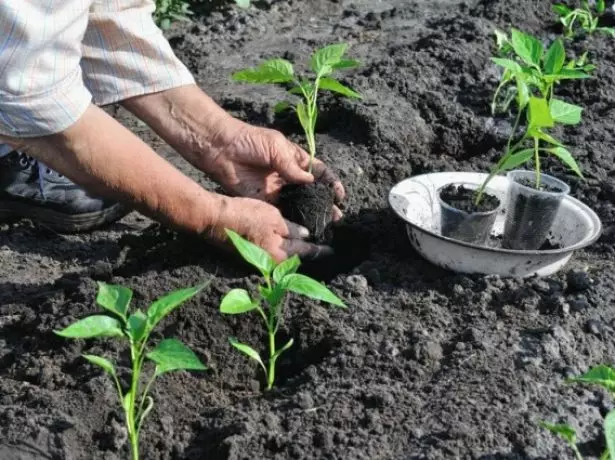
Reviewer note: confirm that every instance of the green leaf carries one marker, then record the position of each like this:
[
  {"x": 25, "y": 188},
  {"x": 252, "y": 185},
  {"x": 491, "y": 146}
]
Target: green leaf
[
  {"x": 93, "y": 326},
  {"x": 566, "y": 74},
  {"x": 282, "y": 350},
  {"x": 101, "y": 362},
  {"x": 607, "y": 30},
  {"x": 536, "y": 132},
  {"x": 565, "y": 113},
  {"x": 325, "y": 58},
  {"x": 244, "y": 4},
  {"x": 516, "y": 159},
  {"x": 272, "y": 71},
  {"x": 609, "y": 432},
  {"x": 523, "y": 94},
  {"x": 286, "y": 267},
  {"x": 346, "y": 64},
  {"x": 303, "y": 116},
  {"x": 172, "y": 355},
  {"x": 137, "y": 325},
  {"x": 539, "y": 115},
  {"x": 528, "y": 48},
  {"x": 301, "y": 284},
  {"x": 166, "y": 304},
  {"x": 600, "y": 6},
  {"x": 566, "y": 157},
  {"x": 555, "y": 57},
  {"x": 507, "y": 64},
  {"x": 247, "y": 350},
  {"x": 252, "y": 254},
  {"x": 561, "y": 10},
  {"x": 114, "y": 298},
  {"x": 281, "y": 106},
  {"x": 561, "y": 429},
  {"x": 331, "y": 84},
  {"x": 601, "y": 375},
  {"x": 237, "y": 301}
]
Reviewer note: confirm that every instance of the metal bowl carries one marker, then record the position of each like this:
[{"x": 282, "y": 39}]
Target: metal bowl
[{"x": 415, "y": 201}]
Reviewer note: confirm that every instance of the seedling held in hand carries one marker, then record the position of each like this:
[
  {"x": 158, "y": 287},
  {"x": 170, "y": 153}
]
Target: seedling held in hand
[
  {"x": 535, "y": 72},
  {"x": 324, "y": 63},
  {"x": 135, "y": 328},
  {"x": 583, "y": 17},
  {"x": 603, "y": 376},
  {"x": 279, "y": 280}
]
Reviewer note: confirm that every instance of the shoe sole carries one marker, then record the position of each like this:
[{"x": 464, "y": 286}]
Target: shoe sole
[{"x": 61, "y": 222}]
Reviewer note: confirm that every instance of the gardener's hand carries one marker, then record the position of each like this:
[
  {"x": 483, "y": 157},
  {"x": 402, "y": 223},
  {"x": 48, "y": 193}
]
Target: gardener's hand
[
  {"x": 256, "y": 162},
  {"x": 263, "y": 225}
]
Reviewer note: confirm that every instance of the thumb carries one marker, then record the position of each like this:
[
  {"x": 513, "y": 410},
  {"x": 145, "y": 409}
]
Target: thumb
[{"x": 287, "y": 164}]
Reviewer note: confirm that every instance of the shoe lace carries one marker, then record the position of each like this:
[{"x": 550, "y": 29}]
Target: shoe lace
[{"x": 43, "y": 171}]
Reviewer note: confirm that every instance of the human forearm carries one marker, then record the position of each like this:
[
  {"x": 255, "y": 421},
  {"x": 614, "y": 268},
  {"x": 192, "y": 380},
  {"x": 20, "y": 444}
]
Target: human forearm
[
  {"x": 106, "y": 159},
  {"x": 188, "y": 120}
]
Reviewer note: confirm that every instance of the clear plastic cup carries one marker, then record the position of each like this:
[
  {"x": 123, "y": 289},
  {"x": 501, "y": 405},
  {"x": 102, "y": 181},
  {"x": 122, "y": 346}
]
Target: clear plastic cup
[
  {"x": 460, "y": 225},
  {"x": 530, "y": 212}
]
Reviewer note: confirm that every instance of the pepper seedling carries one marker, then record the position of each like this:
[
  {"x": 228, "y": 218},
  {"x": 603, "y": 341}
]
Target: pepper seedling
[
  {"x": 280, "y": 279},
  {"x": 135, "y": 328},
  {"x": 535, "y": 73},
  {"x": 584, "y": 17},
  {"x": 603, "y": 376},
  {"x": 323, "y": 64}
]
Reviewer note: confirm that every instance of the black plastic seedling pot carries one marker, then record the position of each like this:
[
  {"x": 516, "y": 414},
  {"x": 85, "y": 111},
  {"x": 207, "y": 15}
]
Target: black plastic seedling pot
[
  {"x": 461, "y": 218},
  {"x": 531, "y": 211}
]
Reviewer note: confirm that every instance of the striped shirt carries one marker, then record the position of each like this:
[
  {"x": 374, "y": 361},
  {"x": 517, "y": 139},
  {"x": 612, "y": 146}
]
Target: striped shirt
[{"x": 59, "y": 56}]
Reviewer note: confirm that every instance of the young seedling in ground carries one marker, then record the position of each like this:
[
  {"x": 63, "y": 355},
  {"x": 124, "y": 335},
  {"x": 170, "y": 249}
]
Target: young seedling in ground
[
  {"x": 535, "y": 72},
  {"x": 135, "y": 328},
  {"x": 309, "y": 206},
  {"x": 269, "y": 304},
  {"x": 567, "y": 433},
  {"x": 169, "y": 11},
  {"x": 583, "y": 17},
  {"x": 603, "y": 376}
]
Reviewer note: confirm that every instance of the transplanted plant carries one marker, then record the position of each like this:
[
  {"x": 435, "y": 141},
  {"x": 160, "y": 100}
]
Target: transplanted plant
[
  {"x": 323, "y": 64},
  {"x": 135, "y": 329},
  {"x": 280, "y": 279},
  {"x": 533, "y": 73},
  {"x": 586, "y": 18},
  {"x": 603, "y": 376}
]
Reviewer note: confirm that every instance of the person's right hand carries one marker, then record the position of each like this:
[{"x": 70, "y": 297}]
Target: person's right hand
[{"x": 263, "y": 225}]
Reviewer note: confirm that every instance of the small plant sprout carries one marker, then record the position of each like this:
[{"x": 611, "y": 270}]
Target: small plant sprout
[
  {"x": 323, "y": 64},
  {"x": 269, "y": 305},
  {"x": 534, "y": 72},
  {"x": 135, "y": 328},
  {"x": 567, "y": 433},
  {"x": 583, "y": 17},
  {"x": 603, "y": 376}
]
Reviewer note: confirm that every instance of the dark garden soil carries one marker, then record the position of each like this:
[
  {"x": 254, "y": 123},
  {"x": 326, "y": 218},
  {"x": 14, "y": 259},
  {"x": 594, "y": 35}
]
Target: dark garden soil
[
  {"x": 424, "y": 364},
  {"x": 311, "y": 206}
]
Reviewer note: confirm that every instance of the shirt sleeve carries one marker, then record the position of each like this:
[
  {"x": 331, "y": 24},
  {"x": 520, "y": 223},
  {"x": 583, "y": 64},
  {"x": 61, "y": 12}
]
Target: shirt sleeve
[
  {"x": 125, "y": 54},
  {"x": 41, "y": 85}
]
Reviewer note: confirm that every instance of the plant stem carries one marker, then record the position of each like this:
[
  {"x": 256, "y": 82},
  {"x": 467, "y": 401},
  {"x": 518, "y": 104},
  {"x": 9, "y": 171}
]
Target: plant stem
[
  {"x": 577, "y": 454},
  {"x": 271, "y": 373},
  {"x": 537, "y": 161},
  {"x": 130, "y": 415}
]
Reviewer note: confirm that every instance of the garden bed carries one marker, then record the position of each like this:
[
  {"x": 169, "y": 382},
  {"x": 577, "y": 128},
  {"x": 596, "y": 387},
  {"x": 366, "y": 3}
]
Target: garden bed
[{"x": 424, "y": 364}]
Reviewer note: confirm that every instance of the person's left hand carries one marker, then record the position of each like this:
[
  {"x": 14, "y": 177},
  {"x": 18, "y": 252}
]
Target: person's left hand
[{"x": 256, "y": 162}]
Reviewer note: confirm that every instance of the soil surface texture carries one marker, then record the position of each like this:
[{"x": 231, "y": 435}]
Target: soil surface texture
[
  {"x": 464, "y": 199},
  {"x": 424, "y": 364},
  {"x": 543, "y": 187}
]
